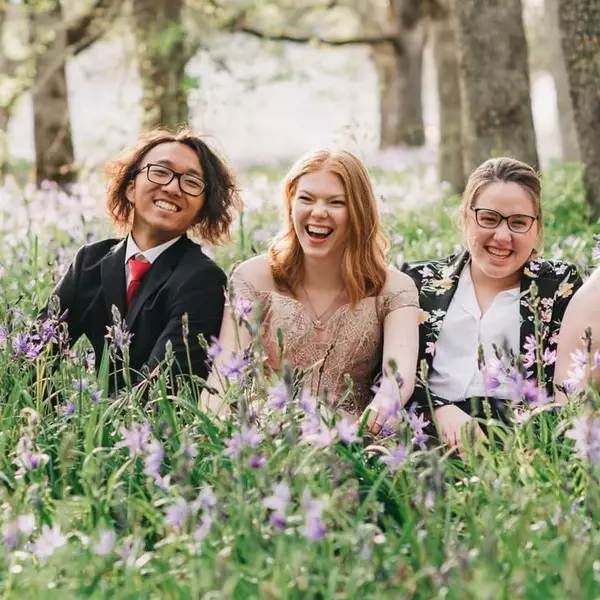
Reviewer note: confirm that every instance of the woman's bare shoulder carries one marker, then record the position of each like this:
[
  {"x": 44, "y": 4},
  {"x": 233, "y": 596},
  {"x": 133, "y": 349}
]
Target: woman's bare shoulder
[
  {"x": 397, "y": 281},
  {"x": 257, "y": 272}
]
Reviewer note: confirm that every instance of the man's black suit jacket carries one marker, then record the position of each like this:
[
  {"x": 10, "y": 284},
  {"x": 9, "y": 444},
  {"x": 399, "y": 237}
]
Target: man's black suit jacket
[{"x": 181, "y": 280}]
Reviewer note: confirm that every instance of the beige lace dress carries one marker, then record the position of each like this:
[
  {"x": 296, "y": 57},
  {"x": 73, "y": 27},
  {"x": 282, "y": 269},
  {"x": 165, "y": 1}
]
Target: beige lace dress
[{"x": 351, "y": 341}]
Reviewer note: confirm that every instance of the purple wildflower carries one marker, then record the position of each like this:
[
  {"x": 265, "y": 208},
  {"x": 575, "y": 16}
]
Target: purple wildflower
[
  {"x": 314, "y": 528},
  {"x": 347, "y": 431},
  {"x": 214, "y": 349},
  {"x": 117, "y": 334},
  {"x": 188, "y": 448},
  {"x": 81, "y": 385},
  {"x": 233, "y": 370},
  {"x": 26, "y": 458},
  {"x": 106, "y": 542},
  {"x": 176, "y": 514},
  {"x": 203, "y": 529},
  {"x": 69, "y": 409},
  {"x": 322, "y": 438},
  {"x": 153, "y": 459},
  {"x": 278, "y": 503},
  {"x": 96, "y": 394},
  {"x": 586, "y": 435},
  {"x": 206, "y": 499},
  {"x": 278, "y": 396},
  {"x": 233, "y": 445},
  {"x": 310, "y": 427},
  {"x": 48, "y": 542},
  {"x": 515, "y": 383},
  {"x": 396, "y": 459},
  {"x": 48, "y": 331},
  {"x": 418, "y": 424},
  {"x": 242, "y": 308},
  {"x": 20, "y": 344},
  {"x": 251, "y": 436},
  {"x": 491, "y": 379},
  {"x": 308, "y": 403},
  {"x": 257, "y": 461},
  {"x": 23, "y": 524},
  {"x": 135, "y": 438}
]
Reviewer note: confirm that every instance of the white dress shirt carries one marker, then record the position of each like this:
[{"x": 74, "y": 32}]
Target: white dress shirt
[
  {"x": 454, "y": 373},
  {"x": 150, "y": 255}
]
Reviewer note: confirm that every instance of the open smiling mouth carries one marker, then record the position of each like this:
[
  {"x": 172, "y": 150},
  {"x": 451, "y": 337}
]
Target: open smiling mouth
[
  {"x": 318, "y": 233},
  {"x": 167, "y": 206},
  {"x": 499, "y": 253}
]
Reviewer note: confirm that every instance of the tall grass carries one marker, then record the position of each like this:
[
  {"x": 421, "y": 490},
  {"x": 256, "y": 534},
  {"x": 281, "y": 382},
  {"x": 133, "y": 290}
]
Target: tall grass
[{"x": 144, "y": 496}]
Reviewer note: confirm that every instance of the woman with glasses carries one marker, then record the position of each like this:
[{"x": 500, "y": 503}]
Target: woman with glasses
[
  {"x": 490, "y": 315},
  {"x": 164, "y": 190}
]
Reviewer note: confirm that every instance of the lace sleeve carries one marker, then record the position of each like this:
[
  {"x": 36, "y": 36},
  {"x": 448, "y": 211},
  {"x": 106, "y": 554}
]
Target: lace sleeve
[
  {"x": 392, "y": 302},
  {"x": 239, "y": 287}
]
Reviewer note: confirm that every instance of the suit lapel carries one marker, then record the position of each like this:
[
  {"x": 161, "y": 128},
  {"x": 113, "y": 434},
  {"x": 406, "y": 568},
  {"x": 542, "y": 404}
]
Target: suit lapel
[
  {"x": 157, "y": 275},
  {"x": 112, "y": 273}
]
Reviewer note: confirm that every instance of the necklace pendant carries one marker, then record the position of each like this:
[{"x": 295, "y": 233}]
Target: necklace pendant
[{"x": 318, "y": 324}]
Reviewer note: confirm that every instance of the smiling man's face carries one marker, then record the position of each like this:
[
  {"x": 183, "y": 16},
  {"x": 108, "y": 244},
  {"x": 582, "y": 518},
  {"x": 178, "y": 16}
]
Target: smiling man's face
[{"x": 164, "y": 211}]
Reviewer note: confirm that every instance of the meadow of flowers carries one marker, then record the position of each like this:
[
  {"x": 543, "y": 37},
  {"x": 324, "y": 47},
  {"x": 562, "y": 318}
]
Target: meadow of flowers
[{"x": 143, "y": 496}]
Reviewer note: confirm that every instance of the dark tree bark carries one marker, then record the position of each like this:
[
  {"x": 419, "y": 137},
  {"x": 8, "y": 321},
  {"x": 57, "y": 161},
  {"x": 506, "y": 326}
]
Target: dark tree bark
[
  {"x": 161, "y": 61},
  {"x": 494, "y": 80},
  {"x": 579, "y": 22},
  {"x": 400, "y": 70},
  {"x": 445, "y": 53},
  {"x": 566, "y": 118},
  {"x": 54, "y": 156}
]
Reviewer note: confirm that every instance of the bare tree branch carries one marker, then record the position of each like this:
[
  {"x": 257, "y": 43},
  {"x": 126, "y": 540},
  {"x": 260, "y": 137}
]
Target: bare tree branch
[
  {"x": 91, "y": 26},
  {"x": 371, "y": 40}
]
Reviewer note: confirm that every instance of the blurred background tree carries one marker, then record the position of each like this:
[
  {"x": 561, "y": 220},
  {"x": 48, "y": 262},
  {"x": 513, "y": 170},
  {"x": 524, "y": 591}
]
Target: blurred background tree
[{"x": 483, "y": 67}]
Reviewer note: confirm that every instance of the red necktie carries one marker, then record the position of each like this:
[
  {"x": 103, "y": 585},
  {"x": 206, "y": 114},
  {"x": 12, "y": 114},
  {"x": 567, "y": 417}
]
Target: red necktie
[{"x": 138, "y": 266}]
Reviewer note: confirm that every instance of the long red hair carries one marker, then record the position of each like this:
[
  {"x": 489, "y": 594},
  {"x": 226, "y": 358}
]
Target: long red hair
[{"x": 363, "y": 263}]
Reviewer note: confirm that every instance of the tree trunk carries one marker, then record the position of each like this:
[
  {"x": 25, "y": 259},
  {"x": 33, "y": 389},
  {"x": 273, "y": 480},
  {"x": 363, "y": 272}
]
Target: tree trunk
[
  {"x": 4, "y": 120},
  {"x": 161, "y": 62},
  {"x": 410, "y": 80},
  {"x": 385, "y": 61},
  {"x": 566, "y": 118},
  {"x": 54, "y": 156},
  {"x": 399, "y": 69},
  {"x": 445, "y": 53},
  {"x": 579, "y": 22},
  {"x": 494, "y": 81}
]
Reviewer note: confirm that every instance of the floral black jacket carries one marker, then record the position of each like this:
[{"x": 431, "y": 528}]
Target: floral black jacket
[{"x": 546, "y": 289}]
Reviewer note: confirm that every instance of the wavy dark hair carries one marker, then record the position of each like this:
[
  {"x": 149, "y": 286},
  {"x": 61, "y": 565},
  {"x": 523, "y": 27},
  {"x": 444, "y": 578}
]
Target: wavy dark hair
[{"x": 222, "y": 198}]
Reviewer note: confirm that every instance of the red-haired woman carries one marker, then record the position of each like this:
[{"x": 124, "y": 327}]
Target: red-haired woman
[
  {"x": 325, "y": 284},
  {"x": 167, "y": 187}
]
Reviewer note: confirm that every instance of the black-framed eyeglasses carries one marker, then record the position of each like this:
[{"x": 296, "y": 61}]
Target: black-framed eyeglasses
[
  {"x": 491, "y": 219},
  {"x": 189, "y": 184}
]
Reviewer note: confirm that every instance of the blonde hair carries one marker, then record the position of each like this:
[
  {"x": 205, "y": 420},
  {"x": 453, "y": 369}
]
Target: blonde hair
[
  {"x": 504, "y": 170},
  {"x": 363, "y": 264}
]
